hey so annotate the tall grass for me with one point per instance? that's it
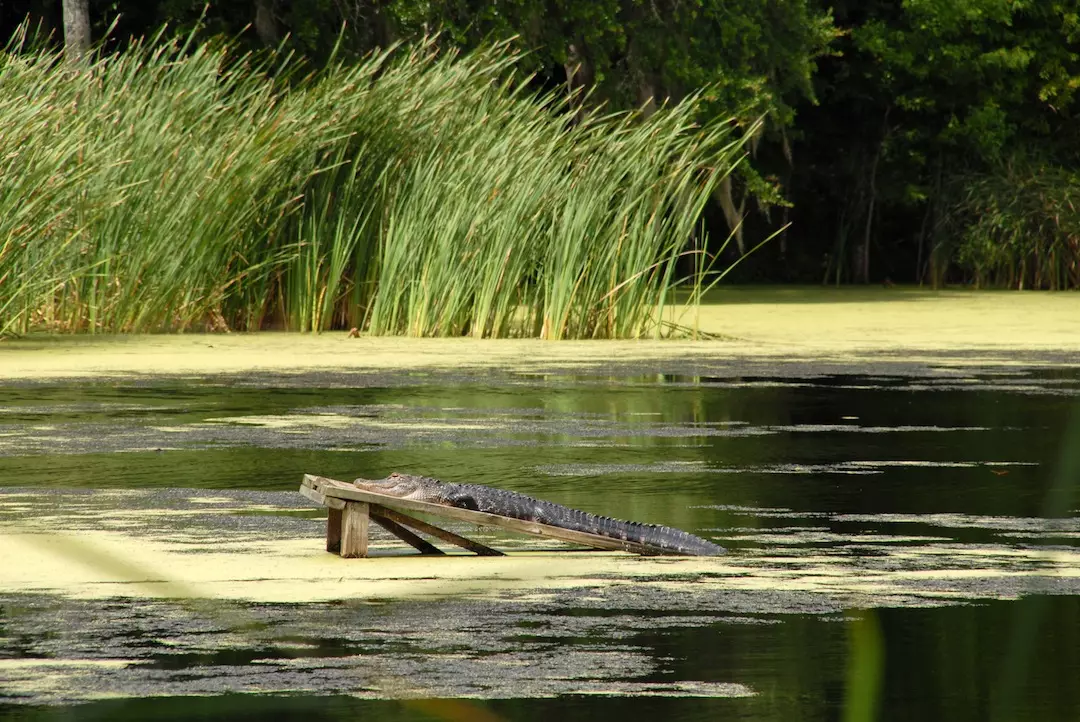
(1017, 225)
(172, 188)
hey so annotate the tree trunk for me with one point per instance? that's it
(76, 29)
(579, 76)
(864, 260)
(929, 225)
(863, 263)
(646, 97)
(265, 27)
(733, 216)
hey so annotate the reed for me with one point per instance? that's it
(1017, 225)
(174, 187)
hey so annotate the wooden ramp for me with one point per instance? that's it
(352, 509)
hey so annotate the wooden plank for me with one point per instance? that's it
(320, 498)
(447, 536)
(402, 533)
(310, 492)
(333, 488)
(354, 530)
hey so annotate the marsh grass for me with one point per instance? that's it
(1017, 225)
(175, 187)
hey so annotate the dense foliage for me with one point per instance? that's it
(924, 102)
(882, 118)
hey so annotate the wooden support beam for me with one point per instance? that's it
(402, 533)
(354, 529)
(333, 531)
(402, 519)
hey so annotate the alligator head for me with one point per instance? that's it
(403, 486)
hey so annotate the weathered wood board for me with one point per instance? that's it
(337, 494)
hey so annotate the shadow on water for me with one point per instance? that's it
(968, 482)
(1032, 620)
(1035, 652)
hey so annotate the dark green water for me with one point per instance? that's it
(954, 493)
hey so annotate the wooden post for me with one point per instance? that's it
(354, 529)
(333, 530)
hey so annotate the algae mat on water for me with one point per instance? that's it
(849, 324)
(164, 593)
(853, 448)
(266, 547)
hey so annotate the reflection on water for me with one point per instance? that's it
(894, 554)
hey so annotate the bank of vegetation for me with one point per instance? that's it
(912, 141)
(539, 169)
(174, 186)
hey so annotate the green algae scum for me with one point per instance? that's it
(902, 529)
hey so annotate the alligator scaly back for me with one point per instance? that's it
(521, 506)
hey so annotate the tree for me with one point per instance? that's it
(923, 92)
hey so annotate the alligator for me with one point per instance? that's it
(519, 506)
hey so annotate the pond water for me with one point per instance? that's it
(902, 546)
